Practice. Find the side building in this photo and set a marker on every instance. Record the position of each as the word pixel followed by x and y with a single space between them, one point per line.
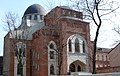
pixel 114 56
pixel 48 44
pixel 108 61
pixel 102 60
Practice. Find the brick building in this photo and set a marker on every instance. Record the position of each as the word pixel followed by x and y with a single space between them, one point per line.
pixel 114 55
pixel 102 59
pixel 108 60
pixel 49 44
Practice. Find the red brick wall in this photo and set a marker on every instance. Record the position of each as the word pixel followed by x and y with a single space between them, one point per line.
pixel 114 55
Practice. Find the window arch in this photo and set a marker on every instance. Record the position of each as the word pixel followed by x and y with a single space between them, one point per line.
pixel 20 49
pixel 77 47
pixel 51 46
pixel 51 69
pixel 70 46
pixel 72 67
pixel 78 68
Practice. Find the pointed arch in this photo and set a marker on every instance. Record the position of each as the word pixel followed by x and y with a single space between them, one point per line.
pixel 69 45
pixel 77 46
pixel 20 58
pixel 72 67
pixel 77 66
pixel 51 46
pixel 52 58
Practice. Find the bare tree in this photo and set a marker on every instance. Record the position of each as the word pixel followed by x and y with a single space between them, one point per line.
pixel 10 21
pixel 94 10
pixel 117 30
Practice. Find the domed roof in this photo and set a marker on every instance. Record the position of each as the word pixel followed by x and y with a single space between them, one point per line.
pixel 35 8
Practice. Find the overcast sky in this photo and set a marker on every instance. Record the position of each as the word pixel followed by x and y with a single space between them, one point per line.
pixel 106 37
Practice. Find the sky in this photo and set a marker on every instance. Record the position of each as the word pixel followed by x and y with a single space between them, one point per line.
pixel 19 6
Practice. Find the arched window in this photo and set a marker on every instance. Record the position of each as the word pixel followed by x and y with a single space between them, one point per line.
pixel 77 48
pixel 72 68
pixel 83 46
pixel 69 45
pixel 78 68
pixel 51 69
pixel 51 46
pixel 35 17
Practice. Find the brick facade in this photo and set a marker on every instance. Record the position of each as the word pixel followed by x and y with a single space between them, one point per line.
pixel 113 60
pixel 60 24
pixel 114 55
pixel 102 59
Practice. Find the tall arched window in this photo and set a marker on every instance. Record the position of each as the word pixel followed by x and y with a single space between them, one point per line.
pixel 69 45
pixel 83 46
pixel 78 68
pixel 51 69
pixel 72 67
pixel 77 47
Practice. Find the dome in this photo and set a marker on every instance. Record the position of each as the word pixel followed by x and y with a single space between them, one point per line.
pixel 35 8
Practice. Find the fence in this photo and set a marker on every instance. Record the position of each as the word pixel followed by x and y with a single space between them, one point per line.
pixel 89 74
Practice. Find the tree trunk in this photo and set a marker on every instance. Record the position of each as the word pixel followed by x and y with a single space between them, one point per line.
pixel 94 50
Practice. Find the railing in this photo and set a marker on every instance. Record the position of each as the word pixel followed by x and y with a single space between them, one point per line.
pixel 105 74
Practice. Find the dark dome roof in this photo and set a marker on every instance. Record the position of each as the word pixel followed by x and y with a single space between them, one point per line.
pixel 35 8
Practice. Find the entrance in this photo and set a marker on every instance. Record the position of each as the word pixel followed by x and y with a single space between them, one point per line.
pixel 77 66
